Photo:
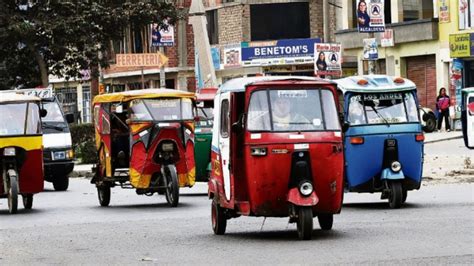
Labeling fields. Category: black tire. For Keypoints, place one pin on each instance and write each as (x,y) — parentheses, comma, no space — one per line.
(171,183)
(28,201)
(61,183)
(103,192)
(395,198)
(404,196)
(305,223)
(325,221)
(13,194)
(430,122)
(219,221)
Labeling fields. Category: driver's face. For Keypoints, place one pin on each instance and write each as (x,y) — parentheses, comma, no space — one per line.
(282,107)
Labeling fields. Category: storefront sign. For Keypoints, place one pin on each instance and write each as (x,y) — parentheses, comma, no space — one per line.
(460,45)
(370,15)
(443,11)
(141,60)
(370,49)
(327,59)
(281,52)
(386,38)
(162,37)
(231,56)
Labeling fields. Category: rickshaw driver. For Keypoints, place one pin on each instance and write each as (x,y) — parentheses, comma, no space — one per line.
(283,119)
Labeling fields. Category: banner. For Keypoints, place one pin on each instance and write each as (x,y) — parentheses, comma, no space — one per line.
(386,38)
(281,52)
(327,59)
(370,15)
(443,11)
(231,56)
(370,49)
(162,37)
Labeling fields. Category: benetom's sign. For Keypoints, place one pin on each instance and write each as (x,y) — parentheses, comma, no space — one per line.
(141,60)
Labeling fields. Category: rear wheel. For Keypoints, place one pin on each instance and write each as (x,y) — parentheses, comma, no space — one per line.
(305,223)
(61,183)
(28,201)
(172,187)
(430,122)
(13,193)
(219,221)
(395,199)
(103,192)
(325,221)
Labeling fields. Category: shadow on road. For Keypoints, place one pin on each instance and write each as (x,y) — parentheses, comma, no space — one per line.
(160,205)
(21,211)
(193,195)
(377,206)
(284,235)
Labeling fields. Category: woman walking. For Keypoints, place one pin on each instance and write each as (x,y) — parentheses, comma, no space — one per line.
(442,104)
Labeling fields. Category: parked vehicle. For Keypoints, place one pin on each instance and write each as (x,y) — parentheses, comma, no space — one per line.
(145,141)
(273,156)
(21,153)
(202,148)
(467,116)
(383,143)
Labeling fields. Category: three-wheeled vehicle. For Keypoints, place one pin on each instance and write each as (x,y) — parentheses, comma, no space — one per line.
(21,152)
(276,152)
(383,144)
(202,148)
(144,140)
(467,116)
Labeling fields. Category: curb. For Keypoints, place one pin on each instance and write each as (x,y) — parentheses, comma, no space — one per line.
(440,140)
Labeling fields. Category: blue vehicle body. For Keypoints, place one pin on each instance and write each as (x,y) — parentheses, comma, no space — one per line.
(369,161)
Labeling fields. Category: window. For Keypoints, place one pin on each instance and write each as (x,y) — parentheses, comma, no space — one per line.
(225,116)
(105,125)
(411,10)
(279,21)
(86,105)
(466,14)
(96,115)
(162,109)
(12,120)
(33,122)
(330,111)
(212,26)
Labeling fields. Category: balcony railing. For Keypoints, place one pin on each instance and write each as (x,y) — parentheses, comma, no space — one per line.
(403,32)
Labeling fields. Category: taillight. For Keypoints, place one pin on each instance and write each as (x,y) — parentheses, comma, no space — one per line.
(420,137)
(398,80)
(362,82)
(357,140)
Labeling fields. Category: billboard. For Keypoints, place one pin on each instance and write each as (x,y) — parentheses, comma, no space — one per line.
(231,56)
(370,15)
(327,59)
(162,37)
(280,52)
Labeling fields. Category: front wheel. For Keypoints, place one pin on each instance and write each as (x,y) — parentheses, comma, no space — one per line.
(103,192)
(61,183)
(325,221)
(430,122)
(171,183)
(395,199)
(219,221)
(28,201)
(305,223)
(13,193)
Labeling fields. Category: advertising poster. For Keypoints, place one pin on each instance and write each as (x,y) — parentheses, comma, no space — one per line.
(231,57)
(456,83)
(216,57)
(162,37)
(370,15)
(443,11)
(386,38)
(327,59)
(370,49)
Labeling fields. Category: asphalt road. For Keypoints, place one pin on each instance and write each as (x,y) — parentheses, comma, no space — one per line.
(435,226)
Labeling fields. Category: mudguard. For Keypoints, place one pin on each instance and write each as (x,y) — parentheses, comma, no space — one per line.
(388,174)
(295,197)
(212,188)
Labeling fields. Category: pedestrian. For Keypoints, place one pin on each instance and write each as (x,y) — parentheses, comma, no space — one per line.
(442,104)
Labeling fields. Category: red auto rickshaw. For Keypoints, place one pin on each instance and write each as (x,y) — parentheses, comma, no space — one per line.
(277,152)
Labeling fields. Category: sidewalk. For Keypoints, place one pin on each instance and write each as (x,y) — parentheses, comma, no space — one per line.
(442,136)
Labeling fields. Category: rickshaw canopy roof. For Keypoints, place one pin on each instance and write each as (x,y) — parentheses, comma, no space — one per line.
(467,90)
(374,84)
(206,94)
(127,96)
(11,97)
(240,84)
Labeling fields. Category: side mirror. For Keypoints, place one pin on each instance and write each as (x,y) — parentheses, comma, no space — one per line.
(345,126)
(43,112)
(69,118)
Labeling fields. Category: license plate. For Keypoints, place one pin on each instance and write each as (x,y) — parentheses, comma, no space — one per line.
(59,155)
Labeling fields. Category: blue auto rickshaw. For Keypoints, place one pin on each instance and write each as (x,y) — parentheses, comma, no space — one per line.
(383,139)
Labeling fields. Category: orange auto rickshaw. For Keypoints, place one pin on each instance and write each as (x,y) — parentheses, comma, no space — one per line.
(145,141)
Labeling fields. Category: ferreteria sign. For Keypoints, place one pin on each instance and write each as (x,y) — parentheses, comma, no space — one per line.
(141,60)
(460,45)
(281,52)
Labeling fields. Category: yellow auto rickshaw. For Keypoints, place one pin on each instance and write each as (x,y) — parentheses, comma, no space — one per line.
(145,141)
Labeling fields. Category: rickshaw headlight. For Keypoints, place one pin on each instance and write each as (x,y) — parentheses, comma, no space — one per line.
(167,147)
(396,166)
(306,188)
(10,151)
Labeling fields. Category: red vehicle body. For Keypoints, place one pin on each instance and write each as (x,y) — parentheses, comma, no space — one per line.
(264,171)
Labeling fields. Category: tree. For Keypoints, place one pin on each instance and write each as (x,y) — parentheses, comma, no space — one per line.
(63,38)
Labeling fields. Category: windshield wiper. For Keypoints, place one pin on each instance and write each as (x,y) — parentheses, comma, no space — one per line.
(379,115)
(59,128)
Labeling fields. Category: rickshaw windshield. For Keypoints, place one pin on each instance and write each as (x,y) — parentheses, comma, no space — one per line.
(292,110)
(161,109)
(19,119)
(382,108)
(53,112)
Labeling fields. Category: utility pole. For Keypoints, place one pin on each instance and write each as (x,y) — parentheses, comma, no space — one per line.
(326,20)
